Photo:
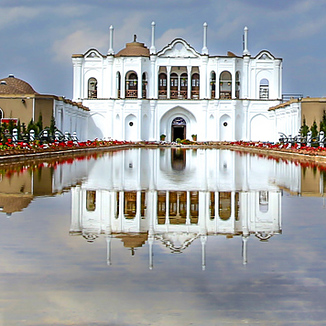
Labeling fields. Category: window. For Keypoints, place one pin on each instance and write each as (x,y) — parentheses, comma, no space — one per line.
(162,80)
(184,80)
(264,89)
(174,80)
(90,200)
(195,80)
(118,81)
(225,85)
(131,85)
(92,88)
(237,84)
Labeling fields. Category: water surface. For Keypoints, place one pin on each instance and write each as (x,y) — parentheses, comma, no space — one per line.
(162,237)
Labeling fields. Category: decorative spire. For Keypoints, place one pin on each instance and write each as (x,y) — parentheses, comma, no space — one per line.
(204,49)
(245,41)
(111,51)
(153,48)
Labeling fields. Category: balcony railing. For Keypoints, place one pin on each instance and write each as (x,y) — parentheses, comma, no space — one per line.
(92,94)
(225,95)
(131,93)
(195,94)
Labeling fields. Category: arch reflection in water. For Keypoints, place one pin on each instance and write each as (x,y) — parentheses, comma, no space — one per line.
(214,194)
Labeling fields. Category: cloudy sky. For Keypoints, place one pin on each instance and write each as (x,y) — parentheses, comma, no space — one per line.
(38,37)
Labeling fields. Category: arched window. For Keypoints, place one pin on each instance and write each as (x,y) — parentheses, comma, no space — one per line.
(162,85)
(130,204)
(213,84)
(224,209)
(237,84)
(212,205)
(131,85)
(263,201)
(225,85)
(90,200)
(1,114)
(118,83)
(174,85)
(92,88)
(144,85)
(195,85)
(184,85)
(264,89)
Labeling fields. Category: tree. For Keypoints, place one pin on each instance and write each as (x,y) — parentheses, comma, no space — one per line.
(11,125)
(314,129)
(52,126)
(304,128)
(39,123)
(30,126)
(322,126)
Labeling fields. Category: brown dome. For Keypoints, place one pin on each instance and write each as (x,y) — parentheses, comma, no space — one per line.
(134,49)
(12,85)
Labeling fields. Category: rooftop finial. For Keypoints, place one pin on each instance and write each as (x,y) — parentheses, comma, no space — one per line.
(111,51)
(204,49)
(153,49)
(245,42)
(135,38)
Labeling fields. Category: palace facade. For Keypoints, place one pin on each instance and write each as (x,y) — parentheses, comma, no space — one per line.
(141,93)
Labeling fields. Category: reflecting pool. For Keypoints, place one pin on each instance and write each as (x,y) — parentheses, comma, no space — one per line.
(163,237)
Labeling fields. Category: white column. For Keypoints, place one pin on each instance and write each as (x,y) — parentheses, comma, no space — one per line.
(108,250)
(152,122)
(111,51)
(203,78)
(204,49)
(168,72)
(153,88)
(203,239)
(188,209)
(245,42)
(123,80)
(167,208)
(77,84)
(150,249)
(189,82)
(244,250)
(140,84)
(152,48)
(111,89)
(245,78)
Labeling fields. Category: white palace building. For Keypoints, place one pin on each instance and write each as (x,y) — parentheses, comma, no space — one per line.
(140,93)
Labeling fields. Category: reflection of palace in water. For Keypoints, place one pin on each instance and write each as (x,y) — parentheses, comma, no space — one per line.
(175,197)
(164,196)
(20,184)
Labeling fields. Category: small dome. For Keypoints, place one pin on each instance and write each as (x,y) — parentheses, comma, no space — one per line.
(134,49)
(12,85)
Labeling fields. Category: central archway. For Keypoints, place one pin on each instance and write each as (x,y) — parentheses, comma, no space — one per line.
(178,128)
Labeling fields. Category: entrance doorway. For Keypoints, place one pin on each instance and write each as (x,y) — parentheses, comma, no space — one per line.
(178,129)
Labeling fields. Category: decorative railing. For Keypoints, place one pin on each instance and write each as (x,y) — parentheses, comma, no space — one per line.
(92,94)
(225,95)
(195,94)
(174,94)
(131,93)
(300,141)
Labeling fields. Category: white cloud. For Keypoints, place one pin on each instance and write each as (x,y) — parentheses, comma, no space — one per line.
(169,36)
(78,42)
(17,15)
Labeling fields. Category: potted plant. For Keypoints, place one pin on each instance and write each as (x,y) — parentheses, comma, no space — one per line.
(194,137)
(162,137)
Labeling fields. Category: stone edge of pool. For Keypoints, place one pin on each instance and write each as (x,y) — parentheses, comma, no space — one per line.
(290,154)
